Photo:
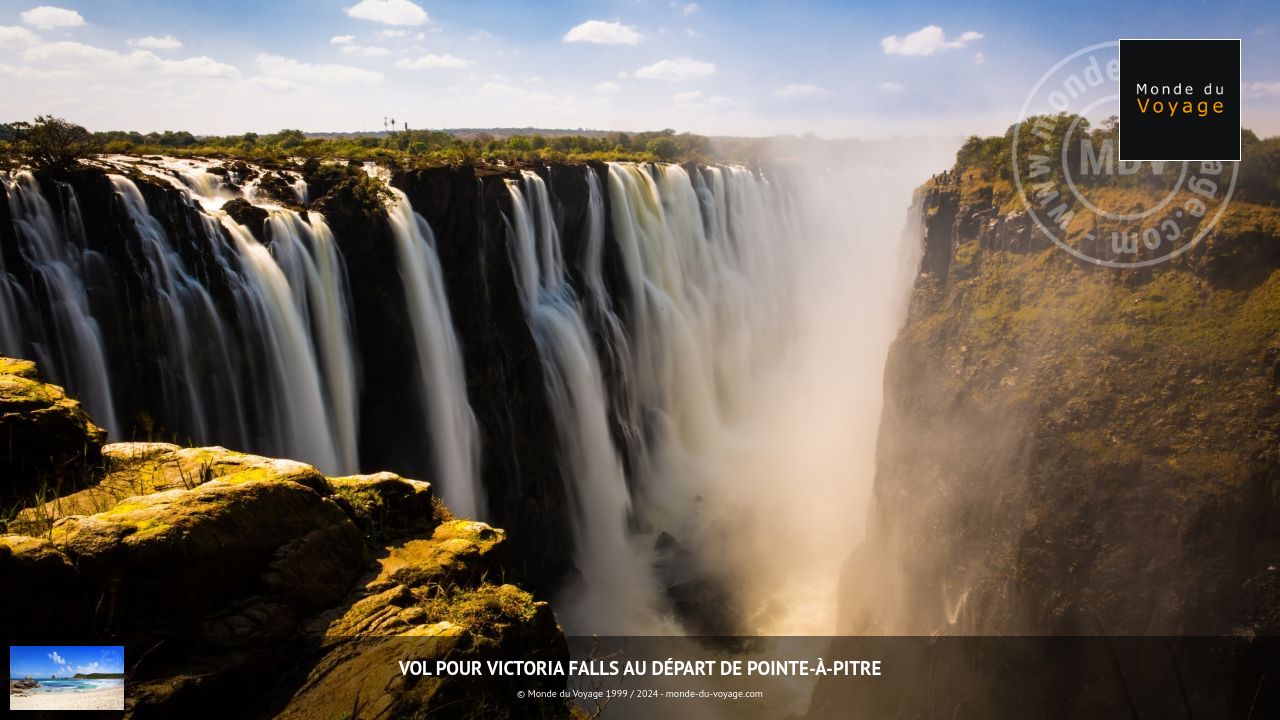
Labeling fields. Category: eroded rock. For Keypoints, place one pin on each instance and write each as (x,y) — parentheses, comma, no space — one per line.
(47,441)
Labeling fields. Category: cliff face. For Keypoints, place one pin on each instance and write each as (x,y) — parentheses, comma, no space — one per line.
(1075,450)
(521,473)
(244,586)
(506,386)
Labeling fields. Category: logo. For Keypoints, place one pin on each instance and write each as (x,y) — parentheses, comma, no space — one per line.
(1098,208)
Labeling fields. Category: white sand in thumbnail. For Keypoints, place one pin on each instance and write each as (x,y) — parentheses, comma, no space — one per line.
(109,698)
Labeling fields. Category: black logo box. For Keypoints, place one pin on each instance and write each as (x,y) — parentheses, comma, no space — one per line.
(1185,64)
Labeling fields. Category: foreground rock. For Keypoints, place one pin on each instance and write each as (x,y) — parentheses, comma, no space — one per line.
(245,586)
(48,444)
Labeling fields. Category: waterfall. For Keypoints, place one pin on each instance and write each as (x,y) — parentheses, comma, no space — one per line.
(441,381)
(55,251)
(296,297)
(309,258)
(300,419)
(712,347)
(617,593)
(198,375)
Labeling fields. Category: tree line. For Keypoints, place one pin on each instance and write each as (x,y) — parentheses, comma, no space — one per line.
(53,142)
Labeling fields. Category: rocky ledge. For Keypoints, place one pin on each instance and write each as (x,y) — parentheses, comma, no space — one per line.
(245,586)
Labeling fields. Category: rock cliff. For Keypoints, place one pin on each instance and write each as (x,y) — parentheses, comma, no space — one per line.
(1068,450)
(245,586)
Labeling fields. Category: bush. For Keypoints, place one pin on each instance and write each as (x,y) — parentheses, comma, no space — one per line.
(54,143)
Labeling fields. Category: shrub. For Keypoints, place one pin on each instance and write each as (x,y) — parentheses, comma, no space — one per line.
(54,143)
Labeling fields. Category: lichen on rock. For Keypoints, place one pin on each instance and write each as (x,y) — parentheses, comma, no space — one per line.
(253,586)
(48,444)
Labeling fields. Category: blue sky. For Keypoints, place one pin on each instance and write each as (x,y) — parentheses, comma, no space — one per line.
(859,69)
(64,660)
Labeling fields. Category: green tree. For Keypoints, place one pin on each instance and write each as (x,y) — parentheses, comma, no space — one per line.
(52,142)
(664,148)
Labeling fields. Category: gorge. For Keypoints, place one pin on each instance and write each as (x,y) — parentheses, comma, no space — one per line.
(665,383)
(587,355)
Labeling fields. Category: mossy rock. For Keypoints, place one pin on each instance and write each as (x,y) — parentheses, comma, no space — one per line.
(44,599)
(169,559)
(48,443)
(139,468)
(459,552)
(385,505)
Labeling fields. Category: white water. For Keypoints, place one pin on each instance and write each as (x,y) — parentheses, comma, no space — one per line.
(199,374)
(55,250)
(296,293)
(617,594)
(747,346)
(442,383)
(300,418)
(309,258)
(762,309)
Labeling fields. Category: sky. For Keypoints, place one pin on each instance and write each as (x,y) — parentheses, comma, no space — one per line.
(837,69)
(64,660)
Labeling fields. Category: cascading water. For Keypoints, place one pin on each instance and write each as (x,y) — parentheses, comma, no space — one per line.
(441,380)
(617,592)
(309,258)
(297,297)
(55,251)
(761,307)
(300,421)
(716,390)
(196,380)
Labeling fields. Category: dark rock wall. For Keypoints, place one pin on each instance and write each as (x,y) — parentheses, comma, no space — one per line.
(1067,449)
(505,382)
(521,472)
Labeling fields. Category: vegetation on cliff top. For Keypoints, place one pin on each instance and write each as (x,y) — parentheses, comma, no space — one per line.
(989,160)
(53,142)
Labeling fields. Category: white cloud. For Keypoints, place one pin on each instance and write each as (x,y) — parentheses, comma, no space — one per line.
(1259,89)
(800,91)
(690,32)
(926,41)
(677,70)
(715,102)
(479,35)
(47,17)
(93,667)
(979,58)
(278,66)
(365,50)
(520,96)
(199,66)
(604,32)
(74,55)
(341,39)
(15,35)
(608,86)
(54,656)
(890,88)
(431,61)
(393,33)
(275,83)
(689,8)
(168,42)
(389,12)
